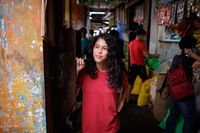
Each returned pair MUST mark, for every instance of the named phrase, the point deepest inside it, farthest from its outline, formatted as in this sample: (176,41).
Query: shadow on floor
(136,119)
(133,119)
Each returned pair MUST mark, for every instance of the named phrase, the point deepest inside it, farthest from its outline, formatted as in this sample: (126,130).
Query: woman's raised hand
(80,64)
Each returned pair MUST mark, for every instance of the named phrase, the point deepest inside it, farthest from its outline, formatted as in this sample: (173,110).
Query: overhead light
(97,13)
(106,28)
(106,22)
(90,18)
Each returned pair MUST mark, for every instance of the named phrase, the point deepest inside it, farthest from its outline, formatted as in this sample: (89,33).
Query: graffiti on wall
(21,67)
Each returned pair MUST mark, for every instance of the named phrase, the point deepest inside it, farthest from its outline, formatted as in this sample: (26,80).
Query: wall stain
(21,67)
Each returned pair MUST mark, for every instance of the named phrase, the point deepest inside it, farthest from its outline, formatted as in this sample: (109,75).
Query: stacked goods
(196,72)
(138,83)
(197,36)
(137,86)
(164,14)
(180,10)
(145,92)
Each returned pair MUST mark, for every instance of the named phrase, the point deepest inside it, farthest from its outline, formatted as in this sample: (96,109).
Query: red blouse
(99,114)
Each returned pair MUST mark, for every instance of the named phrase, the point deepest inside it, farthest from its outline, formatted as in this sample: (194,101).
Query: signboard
(85,2)
(166,1)
(122,0)
(90,2)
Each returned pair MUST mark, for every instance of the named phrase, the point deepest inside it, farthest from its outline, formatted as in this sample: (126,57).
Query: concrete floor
(137,119)
(133,119)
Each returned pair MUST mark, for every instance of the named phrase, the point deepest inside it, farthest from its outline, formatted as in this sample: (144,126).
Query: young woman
(187,105)
(101,77)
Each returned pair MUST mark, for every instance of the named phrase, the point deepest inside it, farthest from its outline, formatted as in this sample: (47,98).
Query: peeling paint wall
(21,67)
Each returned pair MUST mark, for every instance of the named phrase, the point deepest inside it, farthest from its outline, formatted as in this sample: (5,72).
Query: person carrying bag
(180,88)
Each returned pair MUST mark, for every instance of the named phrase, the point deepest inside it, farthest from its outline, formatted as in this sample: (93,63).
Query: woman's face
(100,51)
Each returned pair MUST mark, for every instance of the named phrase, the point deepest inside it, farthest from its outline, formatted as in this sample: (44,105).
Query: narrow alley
(99,66)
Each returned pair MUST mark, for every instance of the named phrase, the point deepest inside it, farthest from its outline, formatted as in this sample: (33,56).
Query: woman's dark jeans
(188,108)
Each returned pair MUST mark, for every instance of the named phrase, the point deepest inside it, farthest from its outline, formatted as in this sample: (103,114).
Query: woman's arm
(196,64)
(125,92)
(192,54)
(80,64)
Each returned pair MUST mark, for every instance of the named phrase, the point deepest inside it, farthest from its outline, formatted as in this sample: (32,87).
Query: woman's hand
(125,93)
(120,106)
(196,64)
(80,64)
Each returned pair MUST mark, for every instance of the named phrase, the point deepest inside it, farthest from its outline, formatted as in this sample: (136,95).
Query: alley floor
(133,119)
(136,119)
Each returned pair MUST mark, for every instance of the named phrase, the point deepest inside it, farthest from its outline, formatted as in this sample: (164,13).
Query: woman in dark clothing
(187,105)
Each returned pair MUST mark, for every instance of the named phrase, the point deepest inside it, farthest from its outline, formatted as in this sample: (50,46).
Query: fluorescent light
(105,28)
(97,13)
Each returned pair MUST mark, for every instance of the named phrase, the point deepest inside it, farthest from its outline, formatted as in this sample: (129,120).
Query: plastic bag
(142,99)
(153,63)
(137,86)
(147,70)
(179,125)
(145,92)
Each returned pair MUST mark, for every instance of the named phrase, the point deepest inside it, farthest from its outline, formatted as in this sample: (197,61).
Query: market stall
(175,19)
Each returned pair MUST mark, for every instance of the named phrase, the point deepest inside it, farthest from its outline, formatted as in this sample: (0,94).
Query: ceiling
(99,18)
(104,5)
(107,6)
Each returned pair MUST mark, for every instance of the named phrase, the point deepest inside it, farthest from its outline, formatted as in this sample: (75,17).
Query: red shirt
(99,114)
(136,49)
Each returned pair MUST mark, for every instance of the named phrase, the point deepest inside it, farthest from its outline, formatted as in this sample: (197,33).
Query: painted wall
(166,49)
(21,67)
(154,29)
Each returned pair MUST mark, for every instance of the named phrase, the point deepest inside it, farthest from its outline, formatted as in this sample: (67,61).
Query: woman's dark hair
(141,31)
(91,31)
(83,30)
(115,33)
(187,42)
(115,66)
